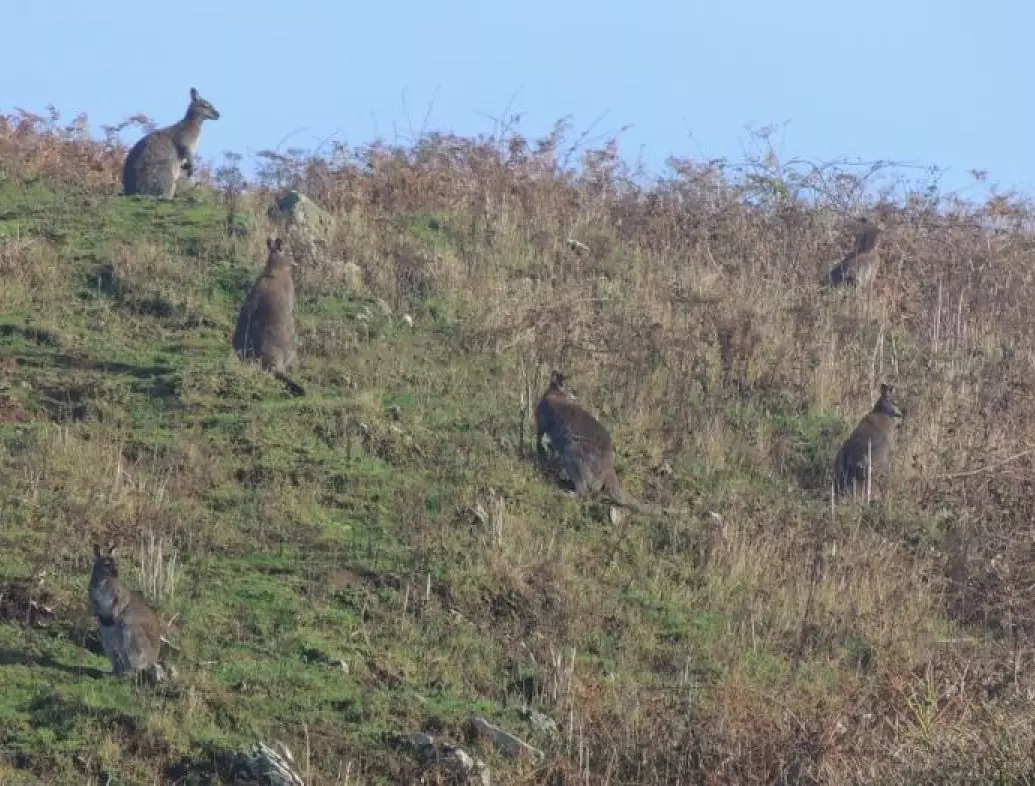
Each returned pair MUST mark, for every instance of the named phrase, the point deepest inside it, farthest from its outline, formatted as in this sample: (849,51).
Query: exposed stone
(510,745)
(538,721)
(577,246)
(352,274)
(268,766)
(305,226)
(460,765)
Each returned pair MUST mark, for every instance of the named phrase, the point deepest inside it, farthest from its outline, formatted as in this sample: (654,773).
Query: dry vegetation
(762,637)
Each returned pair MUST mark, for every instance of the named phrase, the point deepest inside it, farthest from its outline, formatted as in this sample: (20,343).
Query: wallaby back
(265,329)
(864,460)
(131,634)
(159,159)
(583,445)
(860,267)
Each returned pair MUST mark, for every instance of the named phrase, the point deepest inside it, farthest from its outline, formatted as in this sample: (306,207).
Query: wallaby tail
(623,500)
(619,496)
(292,387)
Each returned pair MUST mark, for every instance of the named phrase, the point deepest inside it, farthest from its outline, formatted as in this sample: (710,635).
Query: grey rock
(307,227)
(461,766)
(352,274)
(268,766)
(538,721)
(509,745)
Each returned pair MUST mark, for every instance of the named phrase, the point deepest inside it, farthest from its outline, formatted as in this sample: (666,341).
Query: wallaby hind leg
(577,475)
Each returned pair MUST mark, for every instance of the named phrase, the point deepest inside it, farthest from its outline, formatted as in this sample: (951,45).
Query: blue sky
(947,83)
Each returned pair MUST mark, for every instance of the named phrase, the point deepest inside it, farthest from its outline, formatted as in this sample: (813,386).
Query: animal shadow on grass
(38,335)
(51,710)
(78,363)
(10,657)
(70,400)
(67,401)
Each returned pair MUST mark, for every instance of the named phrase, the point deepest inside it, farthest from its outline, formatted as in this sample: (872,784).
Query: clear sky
(941,82)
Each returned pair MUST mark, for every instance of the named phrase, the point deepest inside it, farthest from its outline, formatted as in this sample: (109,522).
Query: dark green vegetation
(393,520)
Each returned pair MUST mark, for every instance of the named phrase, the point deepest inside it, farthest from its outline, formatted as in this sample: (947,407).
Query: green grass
(382,555)
(142,421)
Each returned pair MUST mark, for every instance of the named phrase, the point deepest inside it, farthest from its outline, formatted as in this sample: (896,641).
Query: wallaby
(861,266)
(583,445)
(864,460)
(159,159)
(130,632)
(266,325)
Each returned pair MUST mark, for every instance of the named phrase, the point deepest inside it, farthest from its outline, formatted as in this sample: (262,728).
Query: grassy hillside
(383,555)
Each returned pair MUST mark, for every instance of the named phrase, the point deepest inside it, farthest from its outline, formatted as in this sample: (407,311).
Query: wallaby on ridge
(159,159)
(860,267)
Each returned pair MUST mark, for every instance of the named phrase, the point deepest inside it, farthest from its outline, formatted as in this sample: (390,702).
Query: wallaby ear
(884,389)
(96,551)
(269,243)
(278,245)
(193,94)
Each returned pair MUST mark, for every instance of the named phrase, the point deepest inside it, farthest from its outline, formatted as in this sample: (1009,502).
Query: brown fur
(130,632)
(266,325)
(868,449)
(159,159)
(583,445)
(860,267)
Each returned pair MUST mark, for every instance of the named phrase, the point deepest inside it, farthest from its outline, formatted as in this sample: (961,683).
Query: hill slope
(383,555)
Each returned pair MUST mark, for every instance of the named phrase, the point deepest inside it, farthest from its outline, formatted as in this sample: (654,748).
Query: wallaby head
(886,404)
(557,386)
(103,564)
(200,108)
(867,235)
(279,257)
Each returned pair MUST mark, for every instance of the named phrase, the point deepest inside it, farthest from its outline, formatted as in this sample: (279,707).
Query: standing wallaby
(861,266)
(160,158)
(130,632)
(865,457)
(266,325)
(584,446)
